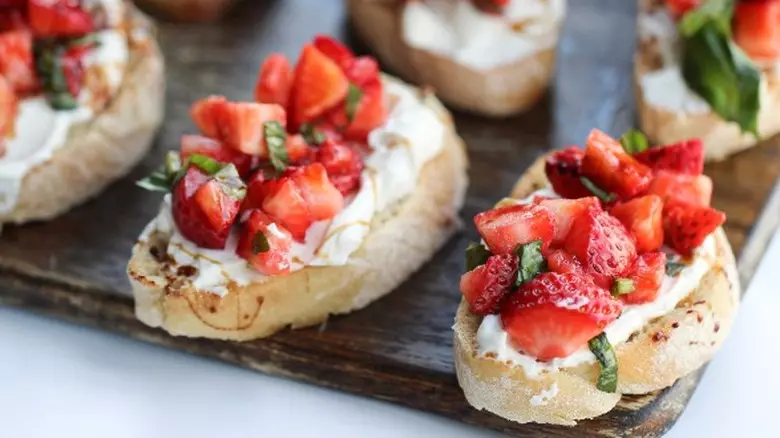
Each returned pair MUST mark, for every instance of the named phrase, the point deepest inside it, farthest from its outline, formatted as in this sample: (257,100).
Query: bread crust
(666,349)
(721,138)
(104,148)
(401,239)
(499,92)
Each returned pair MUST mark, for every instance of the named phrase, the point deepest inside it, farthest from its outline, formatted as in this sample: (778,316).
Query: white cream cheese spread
(410,137)
(458,30)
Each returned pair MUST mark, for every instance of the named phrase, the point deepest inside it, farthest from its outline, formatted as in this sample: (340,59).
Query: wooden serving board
(399,348)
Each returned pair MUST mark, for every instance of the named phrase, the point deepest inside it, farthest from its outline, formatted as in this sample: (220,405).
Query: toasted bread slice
(654,357)
(501,91)
(104,148)
(401,239)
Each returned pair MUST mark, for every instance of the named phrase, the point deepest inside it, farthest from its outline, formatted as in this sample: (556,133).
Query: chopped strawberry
(242,125)
(756,28)
(8,102)
(678,8)
(318,85)
(16,60)
(204,113)
(335,50)
(268,254)
(363,71)
(369,113)
(560,261)
(284,202)
(564,211)
(323,200)
(687,225)
(58,18)
(642,218)
(601,243)
(73,72)
(487,285)
(275,81)
(563,171)
(198,144)
(678,187)
(298,151)
(343,164)
(504,228)
(12,16)
(647,275)
(613,169)
(554,315)
(682,157)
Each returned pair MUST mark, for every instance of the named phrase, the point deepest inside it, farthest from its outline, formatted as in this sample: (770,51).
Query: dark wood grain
(399,348)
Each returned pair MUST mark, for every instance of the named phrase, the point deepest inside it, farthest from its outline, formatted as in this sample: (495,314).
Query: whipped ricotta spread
(40,130)
(494,342)
(460,31)
(411,136)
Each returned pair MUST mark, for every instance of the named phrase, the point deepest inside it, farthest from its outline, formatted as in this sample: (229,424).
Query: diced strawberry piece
(73,71)
(643,218)
(683,157)
(12,16)
(16,60)
(298,151)
(563,171)
(601,242)
(678,8)
(370,113)
(560,261)
(677,187)
(323,200)
(554,315)
(335,50)
(363,71)
(8,102)
(504,228)
(318,85)
(564,211)
(647,275)
(218,208)
(343,163)
(58,18)
(487,285)
(198,144)
(204,113)
(242,125)
(274,260)
(687,225)
(275,81)
(756,28)
(284,203)
(612,169)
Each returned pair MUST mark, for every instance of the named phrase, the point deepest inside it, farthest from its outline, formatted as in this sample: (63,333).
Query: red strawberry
(487,285)
(274,260)
(204,113)
(274,81)
(363,71)
(242,125)
(647,275)
(318,85)
(197,144)
(683,157)
(334,50)
(298,151)
(601,243)
(756,29)
(678,187)
(563,172)
(12,17)
(8,102)
(554,315)
(679,7)
(16,60)
(73,71)
(564,211)
(613,169)
(323,200)
(687,225)
(504,228)
(58,18)
(642,218)
(562,262)
(370,113)
(284,202)
(343,164)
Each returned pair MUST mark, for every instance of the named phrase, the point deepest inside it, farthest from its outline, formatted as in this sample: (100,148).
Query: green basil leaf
(208,165)
(162,179)
(156,182)
(717,12)
(231,182)
(622,286)
(476,255)
(674,267)
(601,194)
(275,138)
(172,164)
(62,101)
(312,135)
(353,100)
(634,142)
(260,243)
(532,261)
(608,374)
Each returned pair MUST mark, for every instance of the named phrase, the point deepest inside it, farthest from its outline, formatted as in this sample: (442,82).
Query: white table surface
(59,380)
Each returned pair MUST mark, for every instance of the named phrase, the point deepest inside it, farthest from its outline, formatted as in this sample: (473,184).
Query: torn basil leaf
(634,142)
(353,100)
(598,192)
(260,243)
(622,286)
(276,138)
(608,374)
(476,255)
(711,12)
(674,267)
(312,135)
(532,261)
(208,165)
(163,179)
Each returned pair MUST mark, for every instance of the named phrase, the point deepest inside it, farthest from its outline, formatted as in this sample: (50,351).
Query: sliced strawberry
(504,228)
(298,151)
(275,81)
(363,71)
(647,276)
(16,60)
(12,16)
(683,157)
(613,169)
(564,211)
(318,85)
(73,72)
(756,28)
(343,164)
(284,202)
(643,218)
(273,260)
(554,315)
(678,8)
(677,187)
(335,50)
(687,225)
(369,113)
(560,261)
(198,144)
(563,171)
(204,113)
(487,285)
(242,125)
(601,242)
(8,102)
(323,200)
(58,18)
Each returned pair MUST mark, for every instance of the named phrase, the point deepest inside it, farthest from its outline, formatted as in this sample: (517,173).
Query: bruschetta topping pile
(559,270)
(275,166)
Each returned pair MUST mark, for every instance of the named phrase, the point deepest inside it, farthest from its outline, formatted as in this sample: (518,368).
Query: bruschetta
(493,57)
(605,273)
(188,10)
(81,90)
(708,69)
(320,196)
